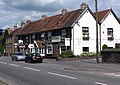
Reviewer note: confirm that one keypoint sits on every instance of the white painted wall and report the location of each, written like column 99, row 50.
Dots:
column 110, row 22
column 77, row 42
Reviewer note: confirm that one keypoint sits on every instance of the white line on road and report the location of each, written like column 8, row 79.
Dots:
column 14, row 65
column 98, row 83
column 110, row 74
column 3, row 62
column 61, row 75
column 31, row 69
column 117, row 75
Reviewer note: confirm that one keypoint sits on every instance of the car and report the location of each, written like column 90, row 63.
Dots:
column 34, row 57
column 17, row 56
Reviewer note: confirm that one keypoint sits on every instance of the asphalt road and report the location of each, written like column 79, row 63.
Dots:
column 59, row 73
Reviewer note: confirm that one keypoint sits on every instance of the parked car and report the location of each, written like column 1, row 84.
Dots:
column 18, row 56
column 34, row 57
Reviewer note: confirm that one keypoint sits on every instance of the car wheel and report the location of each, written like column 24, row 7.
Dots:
column 26, row 61
column 30, row 61
column 12, row 59
column 41, row 60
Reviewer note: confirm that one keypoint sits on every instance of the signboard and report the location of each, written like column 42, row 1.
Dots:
column 31, row 45
column 67, row 41
column 56, row 39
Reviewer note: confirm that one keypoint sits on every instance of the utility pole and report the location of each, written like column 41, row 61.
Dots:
column 97, row 58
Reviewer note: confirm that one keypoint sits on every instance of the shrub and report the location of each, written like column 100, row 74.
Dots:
column 104, row 46
column 87, row 54
column 67, row 54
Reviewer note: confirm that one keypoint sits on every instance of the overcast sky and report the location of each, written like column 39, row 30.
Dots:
column 14, row 11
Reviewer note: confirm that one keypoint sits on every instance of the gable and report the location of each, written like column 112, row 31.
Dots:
column 86, row 13
column 102, row 15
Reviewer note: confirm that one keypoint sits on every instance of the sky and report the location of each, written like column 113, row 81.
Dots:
column 14, row 11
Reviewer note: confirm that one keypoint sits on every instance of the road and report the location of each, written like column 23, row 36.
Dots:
column 58, row 73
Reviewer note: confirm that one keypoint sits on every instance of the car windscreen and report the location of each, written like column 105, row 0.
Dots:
column 19, row 54
column 36, row 54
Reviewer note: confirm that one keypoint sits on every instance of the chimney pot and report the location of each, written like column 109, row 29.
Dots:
column 22, row 24
column 43, row 17
column 28, row 21
column 15, row 26
column 84, row 6
column 64, row 11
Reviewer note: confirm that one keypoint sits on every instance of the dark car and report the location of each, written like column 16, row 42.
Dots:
column 33, row 57
column 18, row 56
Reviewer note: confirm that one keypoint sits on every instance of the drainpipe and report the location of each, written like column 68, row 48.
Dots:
column 73, row 40
column 100, row 35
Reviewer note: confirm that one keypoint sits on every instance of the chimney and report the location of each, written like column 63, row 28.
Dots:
column 43, row 17
column 28, row 21
column 84, row 6
column 64, row 11
column 15, row 26
column 22, row 24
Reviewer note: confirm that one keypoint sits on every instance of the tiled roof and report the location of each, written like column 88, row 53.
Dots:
column 102, row 15
column 50, row 23
column 14, row 32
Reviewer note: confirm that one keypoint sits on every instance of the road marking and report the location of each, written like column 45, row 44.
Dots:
column 110, row 74
column 117, row 75
column 61, row 75
column 31, row 69
column 3, row 62
column 14, row 65
column 98, row 83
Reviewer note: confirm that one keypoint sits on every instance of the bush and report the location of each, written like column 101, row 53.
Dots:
column 67, row 54
column 104, row 46
column 87, row 54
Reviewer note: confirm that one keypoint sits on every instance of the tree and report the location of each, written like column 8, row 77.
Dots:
column 4, row 38
column 1, row 43
column 1, row 32
column 6, row 33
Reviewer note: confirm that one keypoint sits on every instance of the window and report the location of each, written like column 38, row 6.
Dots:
column 85, row 32
column 26, row 39
column 49, row 35
column 43, row 36
column 85, row 49
column 110, row 33
column 63, row 48
column 49, row 49
column 63, row 33
column 33, row 36
column 42, row 50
